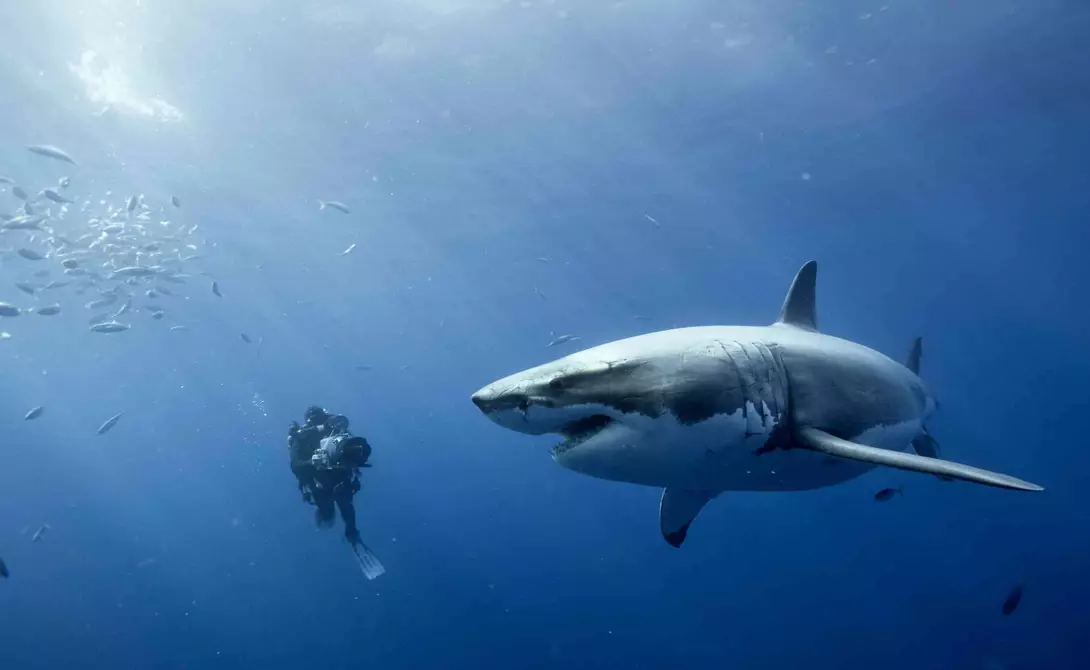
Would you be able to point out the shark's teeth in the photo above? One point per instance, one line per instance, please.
(578, 432)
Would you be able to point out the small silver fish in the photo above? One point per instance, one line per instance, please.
(9, 310)
(40, 533)
(4, 569)
(349, 249)
(50, 151)
(216, 290)
(30, 255)
(7, 180)
(24, 223)
(18, 192)
(64, 182)
(104, 301)
(49, 310)
(70, 263)
(245, 338)
(25, 288)
(132, 204)
(562, 339)
(134, 271)
(52, 195)
(175, 201)
(34, 413)
(333, 204)
(109, 327)
(110, 423)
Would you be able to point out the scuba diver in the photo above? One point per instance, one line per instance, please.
(326, 460)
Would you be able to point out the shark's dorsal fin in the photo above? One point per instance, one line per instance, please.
(914, 354)
(799, 308)
(677, 509)
(823, 442)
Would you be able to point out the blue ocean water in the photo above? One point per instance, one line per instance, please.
(516, 170)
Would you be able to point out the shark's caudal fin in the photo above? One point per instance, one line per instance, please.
(799, 308)
(914, 354)
(823, 442)
(677, 509)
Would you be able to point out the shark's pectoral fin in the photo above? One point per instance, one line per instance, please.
(823, 442)
(677, 510)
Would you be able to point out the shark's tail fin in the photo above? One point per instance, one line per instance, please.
(914, 355)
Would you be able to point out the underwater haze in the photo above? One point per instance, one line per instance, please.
(514, 172)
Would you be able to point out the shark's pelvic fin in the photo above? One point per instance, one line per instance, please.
(914, 354)
(925, 445)
(799, 308)
(823, 442)
(677, 509)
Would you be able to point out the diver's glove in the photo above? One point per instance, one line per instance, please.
(293, 428)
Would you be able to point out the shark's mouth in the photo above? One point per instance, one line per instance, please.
(580, 431)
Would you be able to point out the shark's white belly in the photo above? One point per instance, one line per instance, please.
(708, 455)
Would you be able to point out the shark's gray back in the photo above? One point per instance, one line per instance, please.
(831, 384)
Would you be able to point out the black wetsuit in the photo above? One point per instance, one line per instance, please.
(325, 487)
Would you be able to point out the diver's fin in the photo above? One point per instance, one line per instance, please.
(677, 509)
(926, 446)
(820, 441)
(368, 562)
(913, 360)
(799, 307)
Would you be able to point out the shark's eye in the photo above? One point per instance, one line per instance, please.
(556, 384)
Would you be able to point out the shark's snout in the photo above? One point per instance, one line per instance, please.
(481, 399)
(492, 399)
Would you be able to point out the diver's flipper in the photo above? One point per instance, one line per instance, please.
(677, 509)
(368, 562)
(820, 441)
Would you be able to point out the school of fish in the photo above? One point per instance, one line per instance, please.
(123, 259)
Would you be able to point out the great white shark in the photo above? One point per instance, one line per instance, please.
(699, 411)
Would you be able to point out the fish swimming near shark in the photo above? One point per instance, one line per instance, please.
(705, 410)
(50, 151)
(333, 204)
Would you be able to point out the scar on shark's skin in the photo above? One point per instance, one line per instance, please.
(671, 409)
